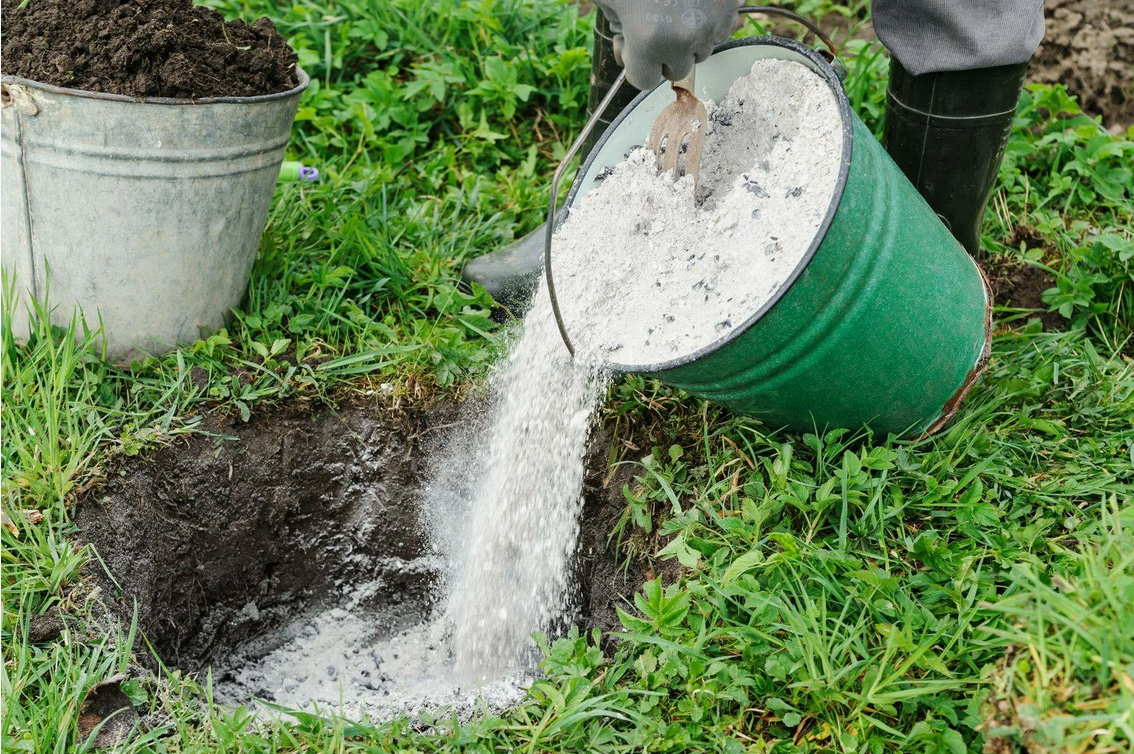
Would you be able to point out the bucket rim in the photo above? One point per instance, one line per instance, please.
(304, 82)
(826, 71)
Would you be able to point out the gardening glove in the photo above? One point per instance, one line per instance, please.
(656, 39)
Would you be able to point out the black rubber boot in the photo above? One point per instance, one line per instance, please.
(509, 273)
(947, 132)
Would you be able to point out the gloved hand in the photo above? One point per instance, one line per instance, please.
(656, 39)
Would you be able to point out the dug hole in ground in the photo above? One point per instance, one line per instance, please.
(305, 534)
(381, 563)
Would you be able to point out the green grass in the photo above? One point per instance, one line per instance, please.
(840, 592)
(1067, 679)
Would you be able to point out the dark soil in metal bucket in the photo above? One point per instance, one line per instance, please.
(261, 535)
(156, 48)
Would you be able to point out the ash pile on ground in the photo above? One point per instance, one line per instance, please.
(288, 555)
(144, 48)
(355, 660)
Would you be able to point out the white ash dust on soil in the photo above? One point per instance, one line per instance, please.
(294, 560)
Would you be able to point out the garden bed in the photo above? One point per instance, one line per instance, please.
(1089, 48)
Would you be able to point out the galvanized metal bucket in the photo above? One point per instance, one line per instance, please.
(885, 322)
(146, 216)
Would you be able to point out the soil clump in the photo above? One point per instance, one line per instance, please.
(144, 48)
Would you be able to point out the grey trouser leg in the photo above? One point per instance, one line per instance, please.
(933, 36)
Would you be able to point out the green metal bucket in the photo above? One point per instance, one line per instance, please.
(885, 322)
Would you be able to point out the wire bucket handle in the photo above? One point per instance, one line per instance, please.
(831, 53)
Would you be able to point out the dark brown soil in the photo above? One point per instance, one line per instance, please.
(221, 540)
(606, 579)
(1021, 286)
(1089, 47)
(108, 713)
(144, 48)
(46, 627)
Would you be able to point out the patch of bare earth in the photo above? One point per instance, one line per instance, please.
(1089, 48)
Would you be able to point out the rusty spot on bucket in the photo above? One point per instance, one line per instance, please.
(5, 95)
(953, 404)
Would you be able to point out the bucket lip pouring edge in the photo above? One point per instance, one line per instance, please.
(827, 73)
(295, 91)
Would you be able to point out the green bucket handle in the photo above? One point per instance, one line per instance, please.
(831, 53)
